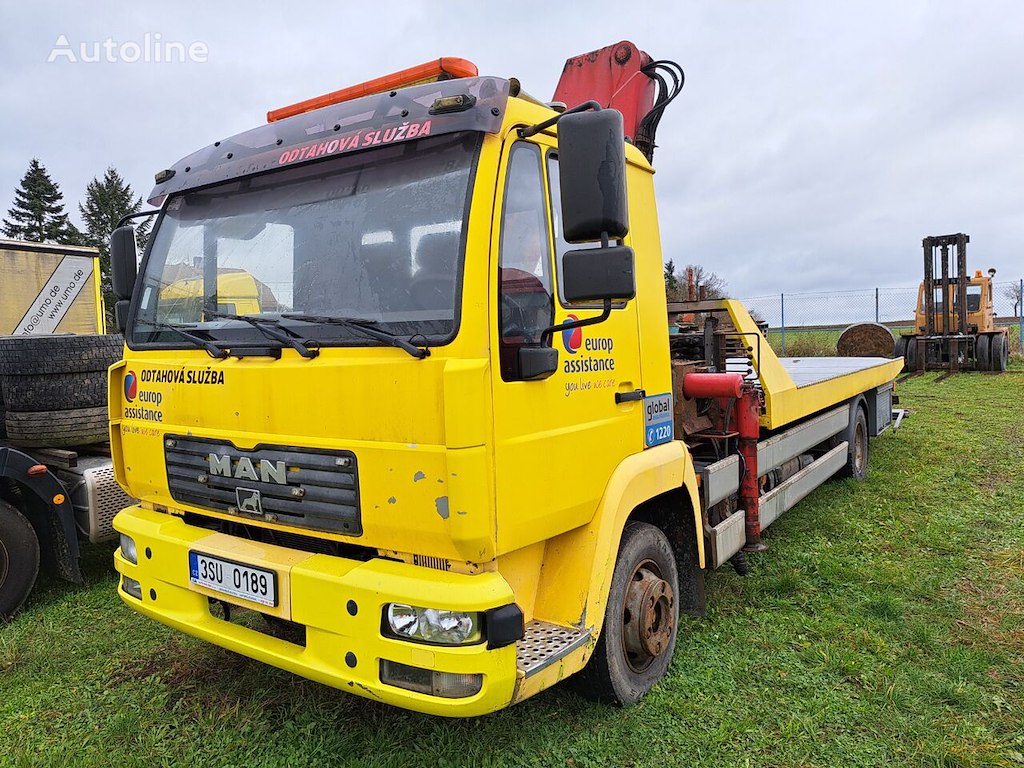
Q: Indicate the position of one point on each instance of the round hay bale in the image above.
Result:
(866, 340)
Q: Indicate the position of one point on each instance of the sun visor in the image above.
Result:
(447, 106)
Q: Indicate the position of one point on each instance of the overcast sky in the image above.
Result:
(814, 145)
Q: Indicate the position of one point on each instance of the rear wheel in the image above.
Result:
(19, 559)
(639, 634)
(857, 439)
(1000, 352)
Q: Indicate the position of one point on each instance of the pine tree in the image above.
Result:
(38, 211)
(671, 281)
(106, 202)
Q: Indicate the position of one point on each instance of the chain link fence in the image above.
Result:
(810, 323)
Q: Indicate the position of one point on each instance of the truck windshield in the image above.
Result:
(371, 237)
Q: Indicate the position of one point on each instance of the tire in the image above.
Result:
(900, 349)
(856, 437)
(910, 356)
(19, 559)
(30, 355)
(982, 352)
(639, 633)
(57, 391)
(81, 426)
(1000, 352)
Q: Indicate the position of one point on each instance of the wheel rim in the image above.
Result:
(648, 620)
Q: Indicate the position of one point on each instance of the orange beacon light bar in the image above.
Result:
(439, 69)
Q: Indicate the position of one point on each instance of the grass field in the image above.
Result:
(885, 626)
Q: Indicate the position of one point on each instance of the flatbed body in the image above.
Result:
(798, 387)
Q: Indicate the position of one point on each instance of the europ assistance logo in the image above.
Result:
(131, 386)
(572, 338)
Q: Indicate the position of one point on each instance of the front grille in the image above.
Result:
(437, 563)
(302, 487)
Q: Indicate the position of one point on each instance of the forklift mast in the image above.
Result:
(939, 246)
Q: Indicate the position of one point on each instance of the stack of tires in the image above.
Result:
(53, 389)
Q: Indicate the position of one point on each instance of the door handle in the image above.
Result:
(628, 397)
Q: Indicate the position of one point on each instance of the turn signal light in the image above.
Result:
(36, 470)
(448, 685)
(440, 69)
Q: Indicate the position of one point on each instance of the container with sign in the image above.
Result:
(56, 481)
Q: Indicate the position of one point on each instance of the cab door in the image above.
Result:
(557, 439)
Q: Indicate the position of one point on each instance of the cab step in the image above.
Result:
(544, 643)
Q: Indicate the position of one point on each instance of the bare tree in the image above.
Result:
(706, 284)
(1012, 292)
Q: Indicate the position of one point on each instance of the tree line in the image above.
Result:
(38, 215)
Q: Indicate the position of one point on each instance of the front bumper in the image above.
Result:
(338, 601)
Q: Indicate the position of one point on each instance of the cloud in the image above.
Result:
(813, 147)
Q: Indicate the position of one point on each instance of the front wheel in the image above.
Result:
(910, 354)
(19, 559)
(999, 352)
(983, 352)
(900, 348)
(639, 634)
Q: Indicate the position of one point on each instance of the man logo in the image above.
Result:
(249, 501)
(244, 469)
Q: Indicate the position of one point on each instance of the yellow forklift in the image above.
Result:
(954, 321)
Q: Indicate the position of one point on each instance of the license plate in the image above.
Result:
(255, 584)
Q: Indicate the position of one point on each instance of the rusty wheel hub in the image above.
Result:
(648, 621)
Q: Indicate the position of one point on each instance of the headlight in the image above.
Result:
(128, 549)
(433, 625)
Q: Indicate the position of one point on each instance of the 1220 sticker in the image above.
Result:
(657, 419)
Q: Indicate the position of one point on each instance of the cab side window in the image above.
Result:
(524, 264)
(556, 217)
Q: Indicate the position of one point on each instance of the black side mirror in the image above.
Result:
(535, 363)
(592, 173)
(123, 261)
(597, 274)
(121, 314)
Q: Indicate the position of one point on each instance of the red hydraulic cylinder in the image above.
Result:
(720, 385)
(747, 412)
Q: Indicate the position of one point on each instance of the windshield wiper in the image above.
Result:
(367, 328)
(269, 328)
(211, 349)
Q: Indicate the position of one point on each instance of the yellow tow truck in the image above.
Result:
(471, 451)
